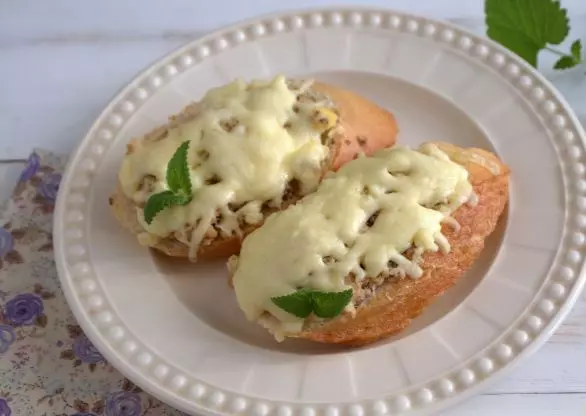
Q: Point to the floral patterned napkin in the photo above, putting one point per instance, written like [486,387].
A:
[47,365]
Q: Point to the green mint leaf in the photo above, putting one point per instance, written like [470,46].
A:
[158,202]
[178,178]
[526,26]
[179,183]
[330,304]
[576,49]
[297,303]
[565,62]
[305,301]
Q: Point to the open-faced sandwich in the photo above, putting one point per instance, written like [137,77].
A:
[197,185]
[379,239]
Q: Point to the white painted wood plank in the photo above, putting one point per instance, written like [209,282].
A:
[51,94]
[522,405]
[35,21]
[9,173]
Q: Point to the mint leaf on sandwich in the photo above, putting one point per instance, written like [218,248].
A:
[305,301]
[179,183]
[330,304]
[297,303]
[163,200]
[178,178]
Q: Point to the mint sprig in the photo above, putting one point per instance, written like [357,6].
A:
[179,183]
[528,26]
[298,303]
[305,301]
[163,200]
[178,178]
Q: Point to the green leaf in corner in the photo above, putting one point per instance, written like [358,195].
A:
[178,178]
[526,26]
[297,303]
[330,304]
[565,62]
[158,202]
[576,50]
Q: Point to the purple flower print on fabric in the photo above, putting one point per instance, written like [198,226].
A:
[123,404]
[50,186]
[32,166]
[85,350]
[23,309]
[4,408]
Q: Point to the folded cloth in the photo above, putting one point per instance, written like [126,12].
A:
[47,365]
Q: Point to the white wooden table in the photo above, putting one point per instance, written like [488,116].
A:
[61,61]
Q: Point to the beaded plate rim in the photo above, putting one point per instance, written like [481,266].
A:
[555,298]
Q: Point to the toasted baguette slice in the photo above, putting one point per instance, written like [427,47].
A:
[361,127]
[399,300]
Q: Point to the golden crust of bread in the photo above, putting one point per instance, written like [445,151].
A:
[399,301]
[365,127]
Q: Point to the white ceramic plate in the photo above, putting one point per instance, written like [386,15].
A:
[176,330]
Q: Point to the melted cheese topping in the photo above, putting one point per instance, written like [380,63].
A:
[358,223]
[247,142]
